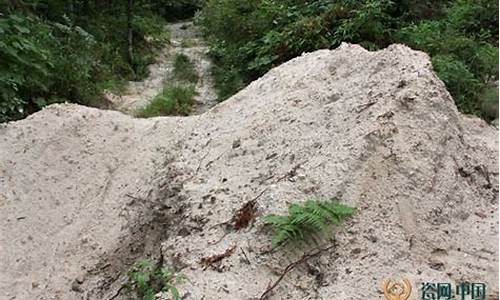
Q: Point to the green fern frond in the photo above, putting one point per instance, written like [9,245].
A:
[305,220]
[275,220]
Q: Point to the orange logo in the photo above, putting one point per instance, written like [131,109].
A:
[394,290]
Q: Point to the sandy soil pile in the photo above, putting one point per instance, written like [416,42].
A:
[84,193]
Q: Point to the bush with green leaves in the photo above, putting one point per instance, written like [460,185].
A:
[489,102]
[147,279]
[55,51]
[306,220]
[249,38]
[34,55]
[24,64]
[464,51]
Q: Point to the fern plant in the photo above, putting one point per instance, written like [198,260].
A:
[302,221]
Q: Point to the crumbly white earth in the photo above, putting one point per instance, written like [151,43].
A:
[84,193]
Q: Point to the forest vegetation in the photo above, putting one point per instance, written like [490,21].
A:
[248,38]
[55,51]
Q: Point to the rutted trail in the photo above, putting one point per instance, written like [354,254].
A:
[184,38]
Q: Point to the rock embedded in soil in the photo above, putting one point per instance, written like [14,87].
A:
[98,190]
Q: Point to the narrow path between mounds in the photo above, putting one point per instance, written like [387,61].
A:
[185,39]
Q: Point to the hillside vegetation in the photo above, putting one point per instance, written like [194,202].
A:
[55,51]
[248,38]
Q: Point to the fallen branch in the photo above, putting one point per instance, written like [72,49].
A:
[291,173]
[135,198]
[219,240]
[210,260]
[216,159]
[118,292]
[197,168]
[362,107]
[291,266]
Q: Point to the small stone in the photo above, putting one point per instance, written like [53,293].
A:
[372,238]
[480,214]
[356,251]
[236,143]
[438,266]
[75,286]
[183,232]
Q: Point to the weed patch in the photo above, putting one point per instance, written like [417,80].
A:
[146,280]
[174,100]
[184,69]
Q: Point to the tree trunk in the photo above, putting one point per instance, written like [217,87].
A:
[130,33]
[86,7]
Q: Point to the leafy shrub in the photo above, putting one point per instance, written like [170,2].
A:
[146,280]
[24,64]
[303,221]
[460,81]
[489,102]
[72,50]
[151,28]
[35,53]
[227,81]
[175,99]
[462,51]
[184,69]
[149,34]
[54,55]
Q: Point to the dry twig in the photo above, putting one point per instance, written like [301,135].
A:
[210,260]
[291,266]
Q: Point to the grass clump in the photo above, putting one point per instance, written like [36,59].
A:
[173,100]
[146,280]
[177,98]
[305,220]
[184,69]
[188,43]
